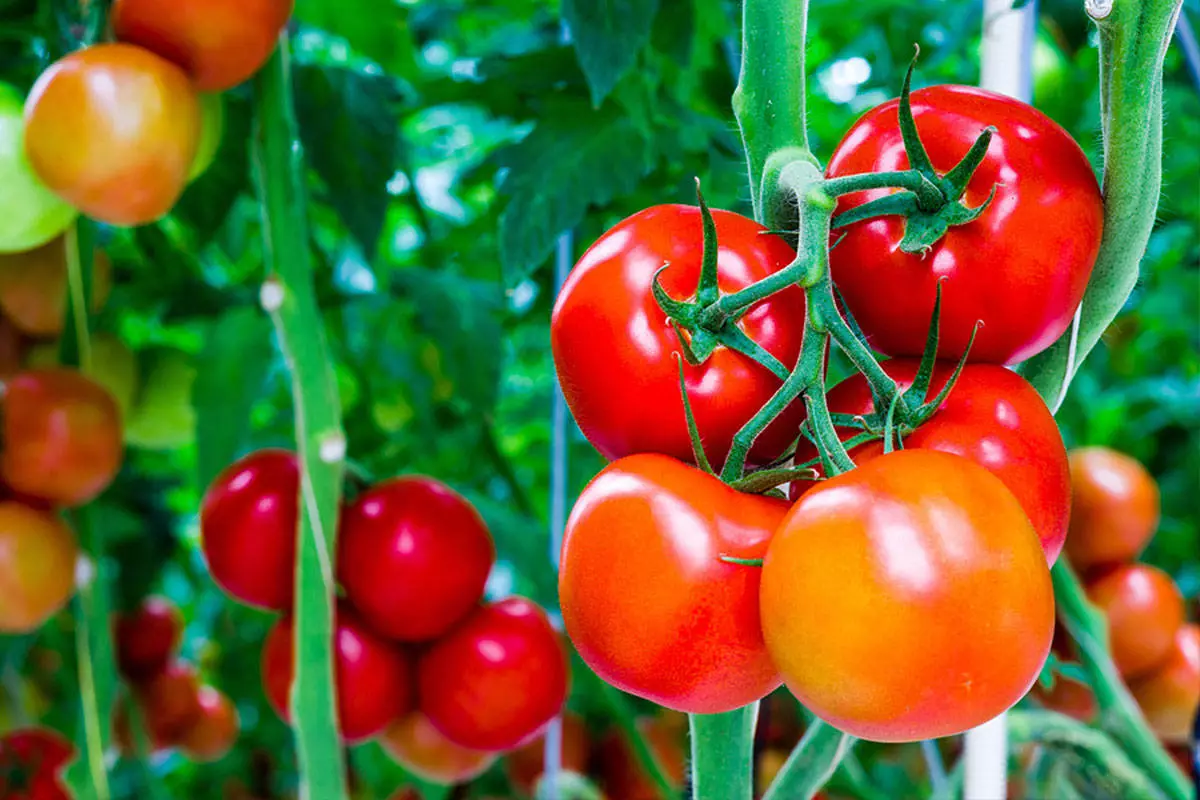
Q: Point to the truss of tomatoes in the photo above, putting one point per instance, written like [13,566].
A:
[443,679]
[680,589]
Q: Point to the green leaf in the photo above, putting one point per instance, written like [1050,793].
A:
[378,29]
[207,201]
[608,36]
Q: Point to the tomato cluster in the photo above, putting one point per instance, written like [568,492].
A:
[31,764]
[444,679]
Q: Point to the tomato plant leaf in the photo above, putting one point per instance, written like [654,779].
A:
[207,201]
[608,36]
[378,29]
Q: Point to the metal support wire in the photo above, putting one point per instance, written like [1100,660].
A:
[1185,37]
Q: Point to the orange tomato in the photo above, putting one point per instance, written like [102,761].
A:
[1144,610]
[33,287]
[212,734]
[37,566]
[1114,508]
[421,749]
[1169,696]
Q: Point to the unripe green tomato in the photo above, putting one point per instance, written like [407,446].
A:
[1051,77]
[30,214]
[212,126]
[163,417]
[114,366]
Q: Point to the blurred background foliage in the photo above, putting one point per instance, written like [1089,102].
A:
[449,144]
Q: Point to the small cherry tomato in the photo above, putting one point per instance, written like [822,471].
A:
[30,214]
[1144,610]
[622,774]
[148,638]
[142,121]
[1170,695]
[373,675]
[249,520]
[415,744]
[413,557]
[525,764]
[645,596]
[220,43]
[1115,508]
[169,704]
[33,287]
[877,584]
[496,679]
[31,764]
[62,436]
[37,566]
[614,347]
[213,733]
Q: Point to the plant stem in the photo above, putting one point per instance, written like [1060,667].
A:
[910,179]
[811,763]
[723,754]
[289,297]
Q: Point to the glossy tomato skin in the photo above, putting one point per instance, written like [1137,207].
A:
[374,676]
[991,416]
[213,733]
[37,566]
[496,679]
[614,348]
[62,436]
[248,525]
[1115,508]
[1170,695]
[31,764]
[1144,609]
[645,597]
[877,585]
[413,557]
[219,43]
[147,638]
[33,287]
[30,214]
[525,764]
[143,123]
[1024,277]
[415,744]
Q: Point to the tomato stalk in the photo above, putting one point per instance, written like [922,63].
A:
[811,763]
[288,296]
[722,750]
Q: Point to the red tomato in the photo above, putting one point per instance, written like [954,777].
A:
[219,42]
[37,566]
[1170,696]
[213,733]
[525,764]
[415,744]
[170,703]
[621,774]
[142,121]
[374,676]
[1115,508]
[613,346]
[645,597]
[413,557]
[1021,267]
[33,287]
[248,528]
[878,583]
[62,436]
[31,764]
[991,416]
[495,680]
[1144,610]
[148,638]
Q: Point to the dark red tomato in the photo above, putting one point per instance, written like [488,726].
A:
[420,748]
[213,733]
[62,436]
[31,764]
[1021,267]
[170,702]
[143,124]
[148,638]
[413,557]
[647,600]
[1115,508]
[1170,695]
[496,679]
[1144,609]
[248,528]
[613,346]
[878,584]
[220,43]
[374,676]
[37,566]
[993,417]
[525,764]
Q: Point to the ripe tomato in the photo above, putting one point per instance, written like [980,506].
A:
[878,583]
[30,214]
[148,638]
[413,557]
[495,680]
[31,764]
[33,287]
[645,597]
[623,776]
[415,744]
[213,733]
[248,528]
[142,121]
[1170,695]
[374,676]
[37,566]
[62,436]
[1023,277]
[113,365]
[1144,610]
[991,416]
[170,703]
[1115,508]
[220,43]
[613,346]
[525,764]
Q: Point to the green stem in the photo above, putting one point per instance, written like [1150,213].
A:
[723,754]
[289,297]
[1119,711]
[811,763]
[910,179]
